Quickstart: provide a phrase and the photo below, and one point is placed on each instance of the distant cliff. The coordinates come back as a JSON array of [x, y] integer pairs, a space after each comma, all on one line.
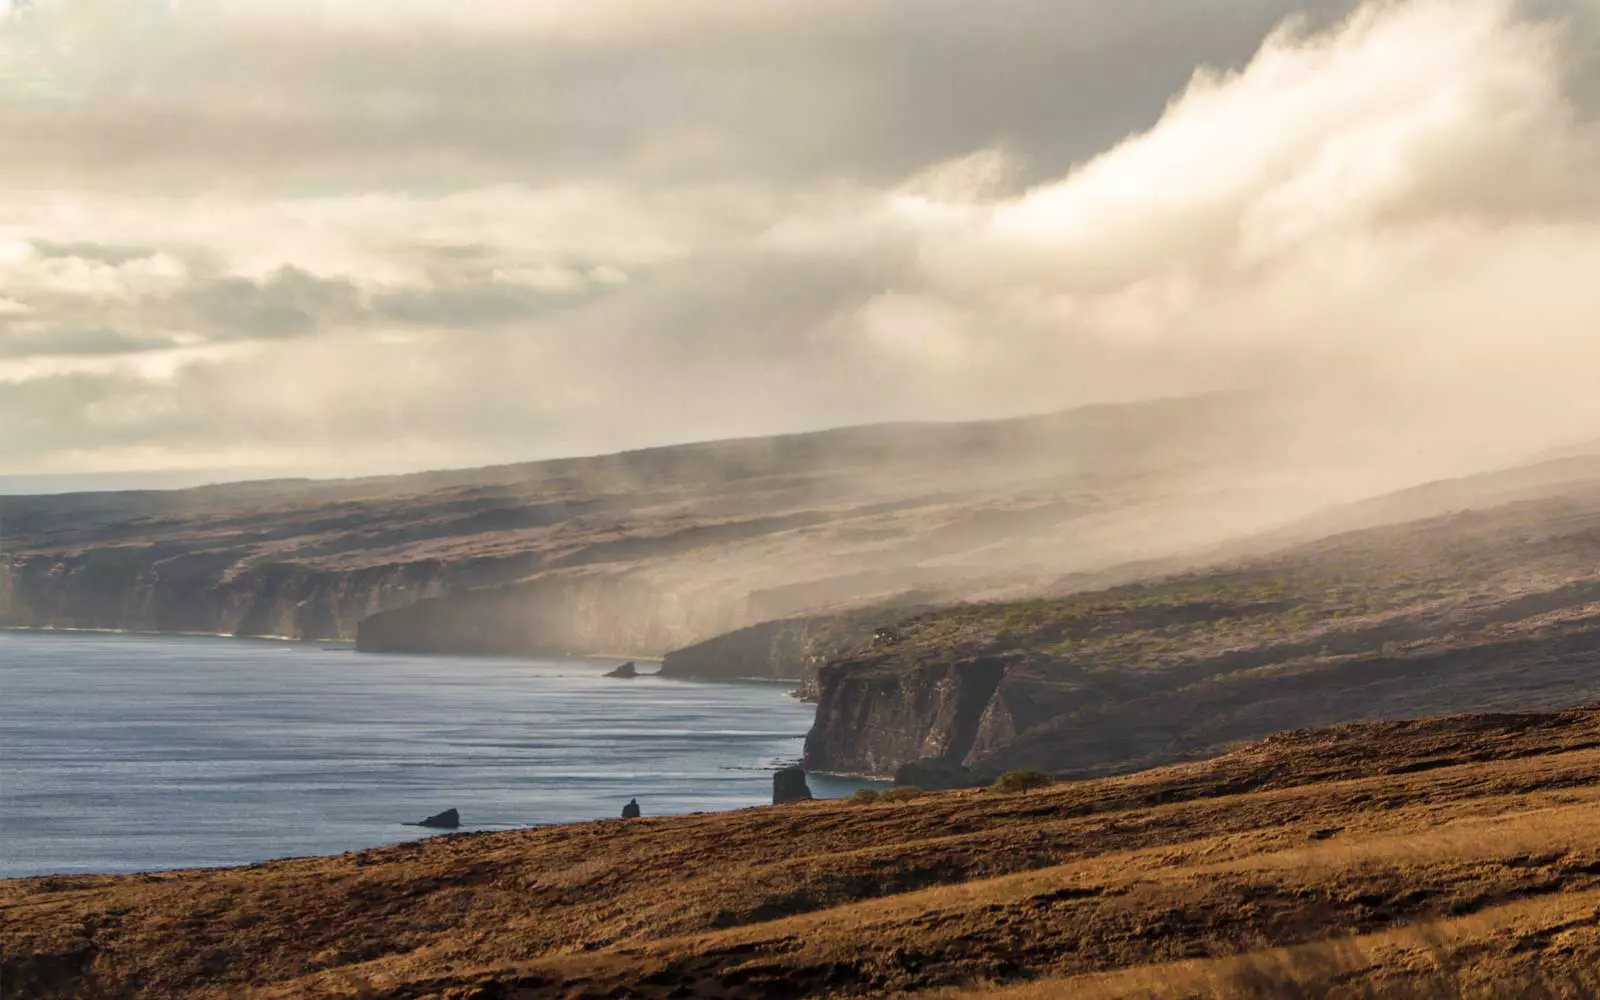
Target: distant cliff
[[604, 609], [1497, 610], [791, 649], [143, 588], [639, 553]]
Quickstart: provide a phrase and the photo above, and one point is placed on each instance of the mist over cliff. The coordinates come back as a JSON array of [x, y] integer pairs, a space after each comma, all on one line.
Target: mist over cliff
[[1307, 254], [645, 551], [1383, 214]]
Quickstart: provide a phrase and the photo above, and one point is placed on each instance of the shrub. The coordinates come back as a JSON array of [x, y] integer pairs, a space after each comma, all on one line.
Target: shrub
[[863, 796], [1022, 781]]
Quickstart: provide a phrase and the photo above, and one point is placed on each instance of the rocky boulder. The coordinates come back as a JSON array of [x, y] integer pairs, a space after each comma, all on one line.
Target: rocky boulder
[[789, 785], [628, 670], [447, 820]]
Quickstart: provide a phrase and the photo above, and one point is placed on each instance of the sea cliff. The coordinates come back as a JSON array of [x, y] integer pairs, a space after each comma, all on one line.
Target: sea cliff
[[790, 649], [639, 553], [1495, 610]]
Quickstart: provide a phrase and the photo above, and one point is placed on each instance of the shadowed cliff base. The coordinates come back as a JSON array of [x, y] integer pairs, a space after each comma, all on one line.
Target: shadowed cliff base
[[1465, 838]]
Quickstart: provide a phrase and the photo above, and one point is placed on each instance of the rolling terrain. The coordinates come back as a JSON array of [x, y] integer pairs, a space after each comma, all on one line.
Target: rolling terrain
[[1444, 857], [646, 552], [1480, 610], [1197, 849], [1085, 593]]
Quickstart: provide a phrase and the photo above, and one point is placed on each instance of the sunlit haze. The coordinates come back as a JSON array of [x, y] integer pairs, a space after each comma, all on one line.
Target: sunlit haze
[[348, 237]]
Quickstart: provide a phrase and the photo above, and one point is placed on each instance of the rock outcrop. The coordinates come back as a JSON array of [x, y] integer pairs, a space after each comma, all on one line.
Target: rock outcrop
[[626, 671], [789, 785], [875, 714], [450, 819]]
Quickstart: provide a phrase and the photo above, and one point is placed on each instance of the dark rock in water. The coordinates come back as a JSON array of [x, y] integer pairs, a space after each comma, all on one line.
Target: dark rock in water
[[934, 774], [626, 670], [631, 810], [789, 785], [447, 820]]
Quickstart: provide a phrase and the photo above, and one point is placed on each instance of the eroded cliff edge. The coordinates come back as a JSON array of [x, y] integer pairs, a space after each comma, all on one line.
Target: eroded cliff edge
[[1478, 611], [638, 553], [793, 650]]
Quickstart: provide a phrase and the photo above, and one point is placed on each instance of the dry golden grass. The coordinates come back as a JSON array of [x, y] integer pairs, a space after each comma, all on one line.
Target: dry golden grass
[[1442, 960], [1304, 866]]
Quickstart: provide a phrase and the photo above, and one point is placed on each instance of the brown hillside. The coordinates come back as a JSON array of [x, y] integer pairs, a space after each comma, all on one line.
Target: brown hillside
[[1476, 838], [649, 551], [1483, 610]]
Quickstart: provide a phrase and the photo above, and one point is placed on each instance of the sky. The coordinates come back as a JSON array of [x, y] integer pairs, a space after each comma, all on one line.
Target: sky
[[353, 236]]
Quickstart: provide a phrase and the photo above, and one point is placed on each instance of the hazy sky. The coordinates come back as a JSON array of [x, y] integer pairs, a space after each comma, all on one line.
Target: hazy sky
[[357, 235]]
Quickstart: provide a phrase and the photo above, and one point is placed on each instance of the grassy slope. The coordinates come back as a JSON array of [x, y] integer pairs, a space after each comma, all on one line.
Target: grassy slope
[[1481, 610], [1480, 833]]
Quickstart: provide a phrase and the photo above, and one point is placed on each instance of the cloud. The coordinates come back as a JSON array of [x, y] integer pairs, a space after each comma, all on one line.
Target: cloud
[[288, 302], [537, 229], [76, 341], [243, 94]]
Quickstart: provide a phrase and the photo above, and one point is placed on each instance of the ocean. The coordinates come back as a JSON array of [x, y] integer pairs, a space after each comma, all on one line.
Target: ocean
[[123, 753]]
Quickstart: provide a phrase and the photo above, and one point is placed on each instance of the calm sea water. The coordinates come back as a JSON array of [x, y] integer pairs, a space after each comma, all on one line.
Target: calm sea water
[[133, 753]]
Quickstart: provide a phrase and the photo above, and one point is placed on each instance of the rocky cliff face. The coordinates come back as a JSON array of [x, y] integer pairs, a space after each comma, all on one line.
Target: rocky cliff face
[[142, 588], [1495, 610], [872, 716]]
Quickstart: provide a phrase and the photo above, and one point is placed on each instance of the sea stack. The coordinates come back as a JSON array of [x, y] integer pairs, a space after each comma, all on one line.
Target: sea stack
[[447, 820], [789, 785], [627, 670]]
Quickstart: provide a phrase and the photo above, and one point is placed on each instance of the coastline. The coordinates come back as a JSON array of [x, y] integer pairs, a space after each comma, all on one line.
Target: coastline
[[905, 896], [291, 749], [70, 630], [645, 661]]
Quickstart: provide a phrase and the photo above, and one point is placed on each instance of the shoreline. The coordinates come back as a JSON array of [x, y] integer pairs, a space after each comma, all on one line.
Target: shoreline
[[487, 830], [506, 721], [350, 644], [156, 634]]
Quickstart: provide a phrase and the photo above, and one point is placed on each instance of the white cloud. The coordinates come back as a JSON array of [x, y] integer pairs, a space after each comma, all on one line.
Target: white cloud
[[521, 225]]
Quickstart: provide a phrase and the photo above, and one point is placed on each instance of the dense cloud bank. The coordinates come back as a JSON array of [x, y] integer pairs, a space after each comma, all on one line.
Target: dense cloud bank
[[292, 235]]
